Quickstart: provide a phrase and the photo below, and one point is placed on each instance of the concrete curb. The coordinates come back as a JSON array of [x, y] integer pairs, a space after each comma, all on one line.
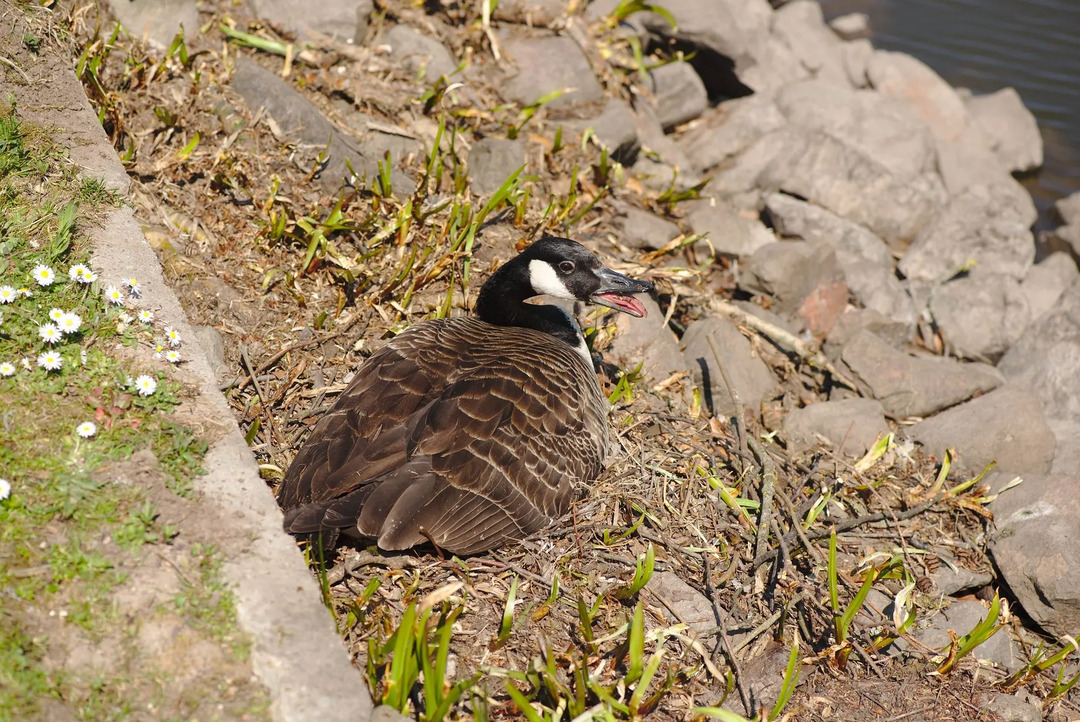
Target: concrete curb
[[296, 652]]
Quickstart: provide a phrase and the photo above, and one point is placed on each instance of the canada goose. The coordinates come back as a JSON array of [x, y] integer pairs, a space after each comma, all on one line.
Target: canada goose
[[467, 432]]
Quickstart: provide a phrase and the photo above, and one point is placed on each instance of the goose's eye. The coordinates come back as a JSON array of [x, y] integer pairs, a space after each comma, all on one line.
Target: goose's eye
[[566, 266]]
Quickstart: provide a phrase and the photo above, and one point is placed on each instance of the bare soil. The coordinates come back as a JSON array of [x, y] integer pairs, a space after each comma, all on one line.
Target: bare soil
[[293, 334]]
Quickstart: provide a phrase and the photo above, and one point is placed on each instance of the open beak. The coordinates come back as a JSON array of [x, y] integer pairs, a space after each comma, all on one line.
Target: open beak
[[616, 292]]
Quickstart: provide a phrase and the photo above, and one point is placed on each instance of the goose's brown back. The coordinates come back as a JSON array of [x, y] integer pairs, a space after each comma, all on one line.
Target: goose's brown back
[[457, 432]]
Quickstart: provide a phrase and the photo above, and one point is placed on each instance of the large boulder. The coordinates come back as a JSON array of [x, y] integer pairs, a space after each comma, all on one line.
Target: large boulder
[[422, 56], [913, 386], [730, 35], [850, 426], [843, 179], [547, 64], [986, 226], [647, 341], [981, 316], [1009, 127], [863, 257], [680, 94], [802, 27], [882, 127], [1034, 547], [1004, 426], [901, 76], [1047, 280], [1046, 358], [729, 232], [728, 129], [750, 378]]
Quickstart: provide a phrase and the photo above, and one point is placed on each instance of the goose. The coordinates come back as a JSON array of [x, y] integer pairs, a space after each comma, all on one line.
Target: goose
[[468, 433]]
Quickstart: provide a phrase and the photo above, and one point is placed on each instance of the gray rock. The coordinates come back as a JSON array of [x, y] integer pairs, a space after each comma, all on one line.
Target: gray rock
[[1067, 454], [734, 29], [615, 128], [1035, 548], [686, 603], [545, 65], [911, 386], [856, 55], [304, 124], [492, 161], [802, 27], [541, 13], [729, 232], [901, 76], [751, 379], [647, 341], [981, 316], [728, 129], [865, 259], [961, 617], [665, 164], [952, 582], [158, 20], [1046, 357], [851, 426], [423, 57], [1006, 426], [790, 271], [851, 26], [386, 713], [1011, 129], [894, 333], [983, 224], [377, 137], [836, 176], [882, 127], [1008, 708], [1068, 209], [343, 19], [680, 94], [968, 161], [209, 340], [642, 230]]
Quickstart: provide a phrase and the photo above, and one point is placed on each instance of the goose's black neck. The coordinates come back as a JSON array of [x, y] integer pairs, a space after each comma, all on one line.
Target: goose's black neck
[[502, 303]]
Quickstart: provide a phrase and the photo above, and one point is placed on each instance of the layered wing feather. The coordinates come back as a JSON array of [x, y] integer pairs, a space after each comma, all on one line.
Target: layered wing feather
[[458, 432]]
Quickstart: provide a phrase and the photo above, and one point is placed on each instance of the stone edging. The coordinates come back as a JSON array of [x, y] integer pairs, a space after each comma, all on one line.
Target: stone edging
[[296, 653]]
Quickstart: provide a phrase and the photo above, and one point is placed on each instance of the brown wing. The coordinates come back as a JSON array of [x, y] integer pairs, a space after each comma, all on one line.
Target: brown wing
[[466, 433]]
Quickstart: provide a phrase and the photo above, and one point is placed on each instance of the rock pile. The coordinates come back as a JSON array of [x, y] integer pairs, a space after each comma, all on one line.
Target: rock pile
[[866, 201]]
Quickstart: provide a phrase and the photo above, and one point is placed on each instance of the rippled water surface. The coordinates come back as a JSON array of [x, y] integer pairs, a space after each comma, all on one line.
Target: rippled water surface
[[984, 45]]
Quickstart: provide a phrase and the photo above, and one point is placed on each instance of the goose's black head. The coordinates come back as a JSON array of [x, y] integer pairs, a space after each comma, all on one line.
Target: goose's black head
[[561, 268]]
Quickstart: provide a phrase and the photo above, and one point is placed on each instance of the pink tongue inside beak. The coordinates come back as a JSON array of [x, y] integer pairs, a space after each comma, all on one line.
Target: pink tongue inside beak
[[629, 304]]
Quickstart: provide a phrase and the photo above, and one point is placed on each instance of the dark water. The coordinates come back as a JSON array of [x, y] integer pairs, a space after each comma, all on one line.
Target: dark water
[[985, 45]]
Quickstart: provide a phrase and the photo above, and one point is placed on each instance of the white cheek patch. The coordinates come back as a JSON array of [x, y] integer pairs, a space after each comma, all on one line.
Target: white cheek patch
[[545, 280]]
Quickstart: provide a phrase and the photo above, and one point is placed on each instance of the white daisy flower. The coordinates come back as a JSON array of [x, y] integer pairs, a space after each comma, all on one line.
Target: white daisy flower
[[146, 316], [172, 335], [172, 357], [126, 318], [7, 294], [50, 361], [5, 489], [113, 296], [7, 369], [132, 285], [25, 292], [43, 275], [86, 429], [88, 276], [146, 385], [69, 323], [56, 314], [76, 272], [26, 364], [49, 333]]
